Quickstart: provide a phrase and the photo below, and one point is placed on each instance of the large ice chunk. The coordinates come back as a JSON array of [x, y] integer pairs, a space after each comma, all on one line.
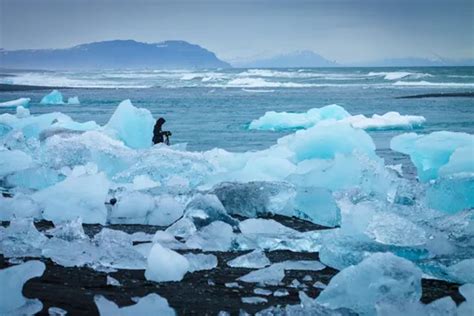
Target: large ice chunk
[[12, 279], [167, 211], [54, 97], [165, 265], [134, 126], [132, 208], [382, 277], [255, 259], [200, 261], [21, 239], [152, 304], [467, 308], [431, 152], [82, 196], [204, 209], [217, 236], [13, 160], [14, 103]]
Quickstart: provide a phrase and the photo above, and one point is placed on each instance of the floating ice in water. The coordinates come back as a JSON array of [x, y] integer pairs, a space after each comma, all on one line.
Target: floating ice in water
[[198, 262], [165, 265], [73, 101], [12, 279], [23, 102], [254, 300], [381, 278], [150, 304], [134, 126], [283, 120], [54, 97], [255, 260], [217, 236], [431, 153], [82, 196]]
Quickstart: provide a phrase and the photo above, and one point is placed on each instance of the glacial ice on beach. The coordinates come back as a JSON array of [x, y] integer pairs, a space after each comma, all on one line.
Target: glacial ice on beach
[[381, 278], [431, 153], [12, 279], [443, 161], [282, 120], [217, 236], [255, 260], [198, 262], [23, 102], [134, 126], [165, 265], [152, 303], [54, 97]]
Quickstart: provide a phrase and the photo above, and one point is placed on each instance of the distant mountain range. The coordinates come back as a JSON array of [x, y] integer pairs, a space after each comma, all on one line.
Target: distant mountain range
[[304, 58], [123, 54], [129, 54]]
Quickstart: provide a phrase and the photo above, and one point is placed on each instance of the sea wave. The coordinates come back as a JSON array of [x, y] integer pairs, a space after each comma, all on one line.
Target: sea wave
[[397, 75]]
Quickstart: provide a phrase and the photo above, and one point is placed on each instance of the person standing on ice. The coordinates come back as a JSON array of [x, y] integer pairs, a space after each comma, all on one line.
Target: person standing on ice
[[160, 136]]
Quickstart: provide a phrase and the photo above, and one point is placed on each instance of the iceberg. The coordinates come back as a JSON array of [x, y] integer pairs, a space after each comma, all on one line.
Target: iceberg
[[134, 126], [165, 265], [73, 101], [23, 102], [277, 121], [150, 304], [12, 279], [54, 97], [381, 278]]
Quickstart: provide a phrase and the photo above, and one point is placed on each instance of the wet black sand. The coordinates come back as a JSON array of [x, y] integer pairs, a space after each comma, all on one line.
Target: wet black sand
[[199, 293]]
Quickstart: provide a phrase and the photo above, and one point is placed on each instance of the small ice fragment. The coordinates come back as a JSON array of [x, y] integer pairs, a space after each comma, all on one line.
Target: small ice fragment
[[260, 291], [255, 259], [319, 285], [210, 282], [182, 228], [22, 112], [264, 226], [152, 304], [233, 285], [56, 311], [165, 265], [198, 262], [307, 278], [280, 293], [254, 300], [271, 275], [12, 280], [217, 236], [112, 281], [295, 283]]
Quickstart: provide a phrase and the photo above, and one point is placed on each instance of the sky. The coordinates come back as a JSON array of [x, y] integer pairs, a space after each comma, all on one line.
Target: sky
[[341, 30]]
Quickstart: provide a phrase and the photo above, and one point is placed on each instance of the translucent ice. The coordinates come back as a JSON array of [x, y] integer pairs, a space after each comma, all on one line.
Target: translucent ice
[[148, 305], [12, 279], [255, 259], [165, 265], [264, 226], [134, 126], [198, 262], [217, 236], [204, 209], [467, 308], [13, 160], [82, 196], [14, 103], [383, 277], [462, 271], [167, 211], [254, 300], [21, 239], [54, 97], [132, 208], [431, 152]]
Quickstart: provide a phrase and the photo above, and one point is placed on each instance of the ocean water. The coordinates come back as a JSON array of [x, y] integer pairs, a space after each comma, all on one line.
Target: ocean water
[[212, 108]]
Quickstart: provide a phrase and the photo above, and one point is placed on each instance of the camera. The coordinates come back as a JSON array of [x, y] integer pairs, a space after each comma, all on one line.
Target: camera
[[166, 133]]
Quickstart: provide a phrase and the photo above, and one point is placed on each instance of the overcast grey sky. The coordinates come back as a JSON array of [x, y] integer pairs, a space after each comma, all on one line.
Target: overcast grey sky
[[341, 30]]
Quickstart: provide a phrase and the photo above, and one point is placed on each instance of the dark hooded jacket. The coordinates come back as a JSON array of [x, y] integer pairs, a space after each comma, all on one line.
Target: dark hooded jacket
[[157, 132]]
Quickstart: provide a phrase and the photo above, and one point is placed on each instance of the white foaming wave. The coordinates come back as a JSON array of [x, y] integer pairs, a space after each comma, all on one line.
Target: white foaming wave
[[261, 83], [258, 90], [397, 75], [300, 74], [61, 80], [433, 84]]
